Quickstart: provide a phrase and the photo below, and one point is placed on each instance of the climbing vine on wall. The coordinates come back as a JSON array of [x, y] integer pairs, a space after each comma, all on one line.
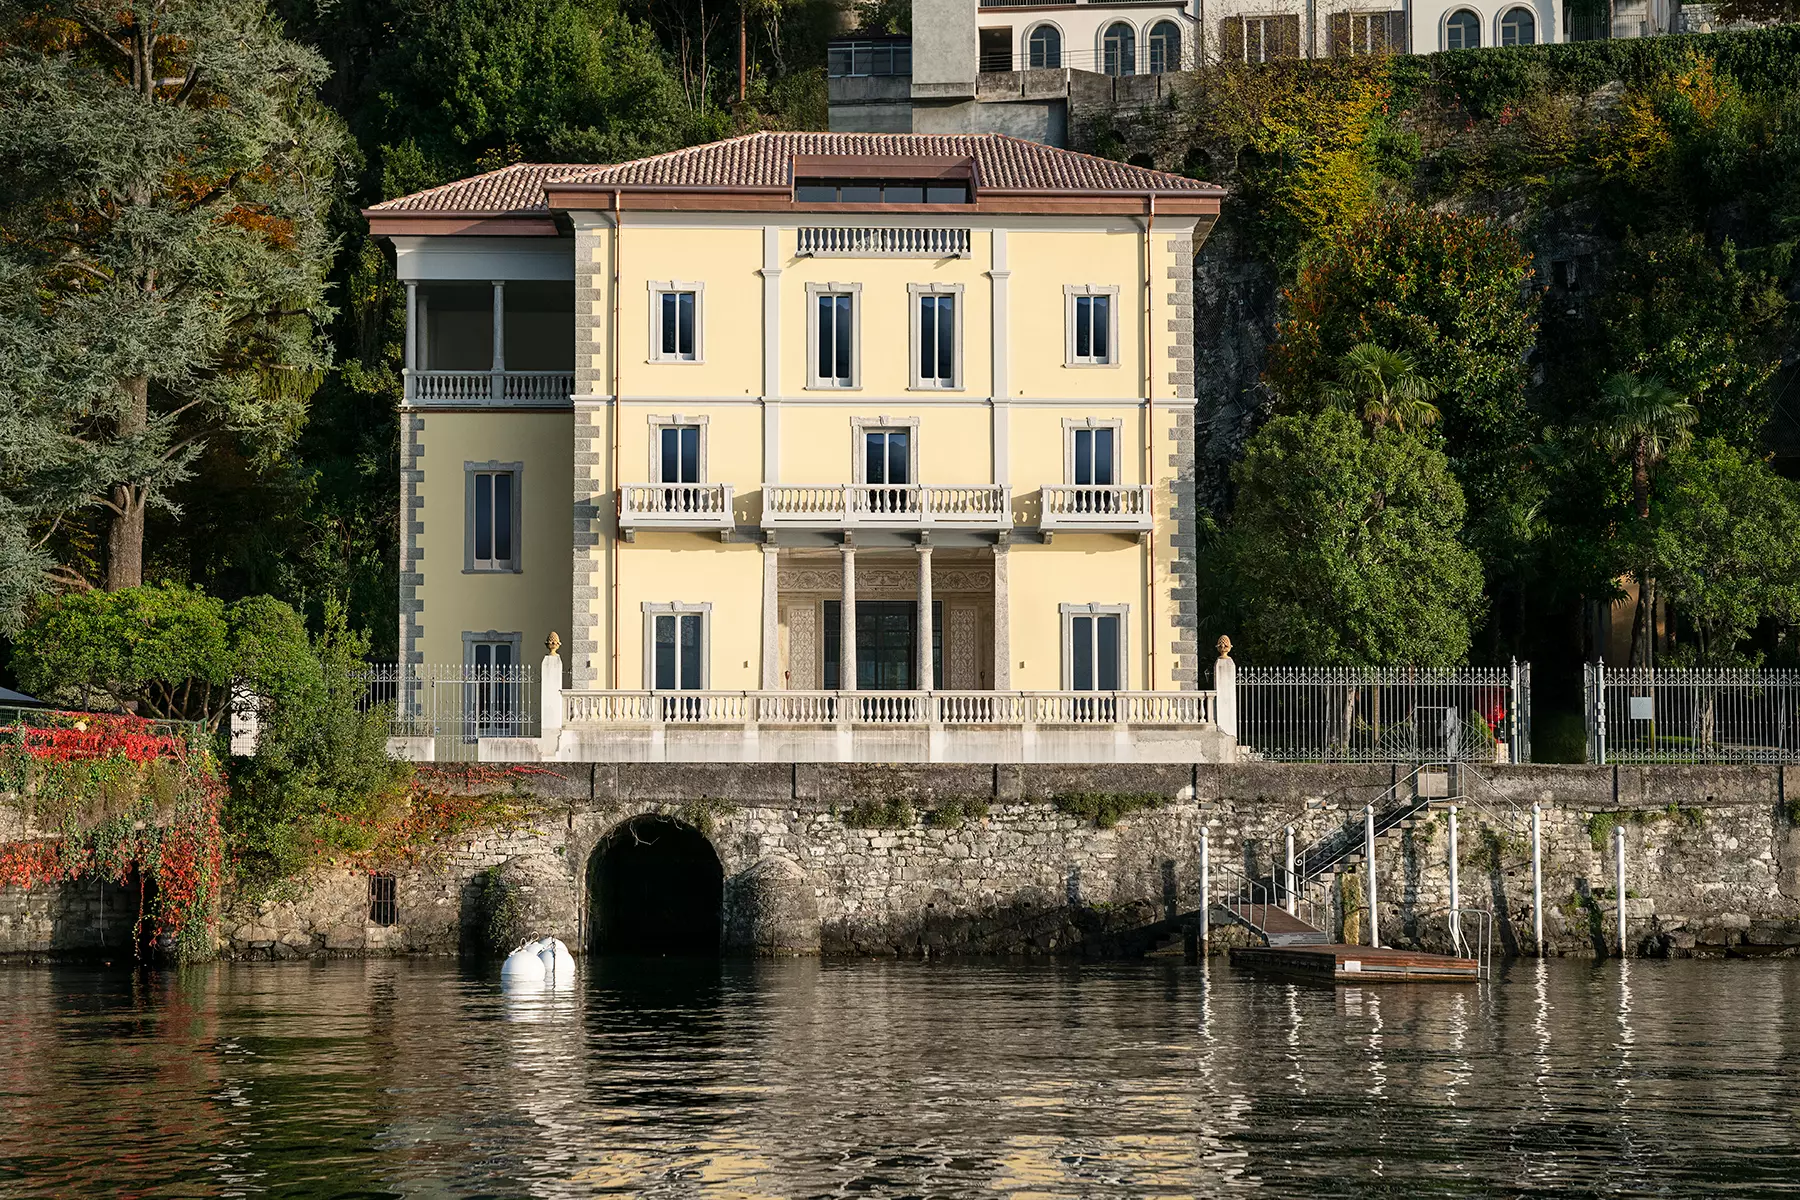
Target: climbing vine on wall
[[124, 800]]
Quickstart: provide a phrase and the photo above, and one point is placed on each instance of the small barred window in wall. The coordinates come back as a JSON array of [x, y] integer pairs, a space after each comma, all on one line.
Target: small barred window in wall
[[678, 325], [679, 646], [1462, 31], [1093, 327], [384, 904], [1165, 47], [937, 341], [1045, 46], [1119, 50], [1518, 28], [494, 520], [834, 339]]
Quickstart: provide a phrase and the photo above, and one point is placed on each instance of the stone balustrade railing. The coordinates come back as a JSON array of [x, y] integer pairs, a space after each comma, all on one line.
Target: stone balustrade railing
[[905, 506], [882, 241], [949, 708], [676, 506], [1095, 506], [490, 387]]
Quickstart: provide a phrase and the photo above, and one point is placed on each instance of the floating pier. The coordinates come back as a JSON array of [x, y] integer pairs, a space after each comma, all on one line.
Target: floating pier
[[1358, 964]]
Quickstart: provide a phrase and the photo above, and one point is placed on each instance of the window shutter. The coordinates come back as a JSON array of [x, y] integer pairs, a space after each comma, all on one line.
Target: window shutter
[[1396, 31], [1287, 39], [1337, 41], [1231, 39]]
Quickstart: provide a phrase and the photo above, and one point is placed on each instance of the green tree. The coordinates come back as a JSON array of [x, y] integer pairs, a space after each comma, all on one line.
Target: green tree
[[1724, 546], [1345, 548], [1383, 387], [168, 171]]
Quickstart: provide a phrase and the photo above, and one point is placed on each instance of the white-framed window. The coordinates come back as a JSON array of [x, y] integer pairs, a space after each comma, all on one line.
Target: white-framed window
[[493, 685], [678, 449], [1091, 325], [1091, 449], [1462, 31], [833, 335], [1095, 642], [492, 526], [677, 646], [1518, 28], [886, 449], [1118, 49], [1043, 47], [1165, 47], [677, 311], [936, 335]]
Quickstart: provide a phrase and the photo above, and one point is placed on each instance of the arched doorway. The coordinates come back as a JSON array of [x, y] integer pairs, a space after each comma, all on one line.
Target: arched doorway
[[655, 886]]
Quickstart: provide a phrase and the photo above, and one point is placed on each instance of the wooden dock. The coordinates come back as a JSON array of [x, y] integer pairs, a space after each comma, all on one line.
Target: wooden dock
[[1358, 964]]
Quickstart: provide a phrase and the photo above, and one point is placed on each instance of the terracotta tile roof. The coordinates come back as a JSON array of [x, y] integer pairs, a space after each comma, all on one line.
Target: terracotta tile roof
[[515, 189], [761, 160]]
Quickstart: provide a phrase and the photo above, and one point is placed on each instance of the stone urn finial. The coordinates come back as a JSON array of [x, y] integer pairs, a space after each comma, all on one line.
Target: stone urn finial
[[552, 643], [1224, 646]]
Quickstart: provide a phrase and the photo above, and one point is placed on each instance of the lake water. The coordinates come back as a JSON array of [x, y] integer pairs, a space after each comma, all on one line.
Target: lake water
[[669, 1078]]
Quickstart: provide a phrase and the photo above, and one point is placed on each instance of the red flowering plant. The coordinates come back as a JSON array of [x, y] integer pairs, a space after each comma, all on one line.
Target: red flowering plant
[[112, 797]]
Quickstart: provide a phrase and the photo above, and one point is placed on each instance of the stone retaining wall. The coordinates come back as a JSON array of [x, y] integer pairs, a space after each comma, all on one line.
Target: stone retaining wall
[[1713, 861]]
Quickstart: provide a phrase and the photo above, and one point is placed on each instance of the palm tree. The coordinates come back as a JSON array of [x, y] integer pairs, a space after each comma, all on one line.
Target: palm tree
[[1385, 385], [1645, 418]]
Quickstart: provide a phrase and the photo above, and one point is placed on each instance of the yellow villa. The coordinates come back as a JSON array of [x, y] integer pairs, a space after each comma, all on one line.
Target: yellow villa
[[805, 447]]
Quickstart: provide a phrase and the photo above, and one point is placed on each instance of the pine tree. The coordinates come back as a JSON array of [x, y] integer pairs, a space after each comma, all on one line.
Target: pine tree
[[168, 171]]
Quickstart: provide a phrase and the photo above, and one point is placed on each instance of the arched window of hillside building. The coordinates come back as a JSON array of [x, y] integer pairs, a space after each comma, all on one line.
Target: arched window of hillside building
[[1518, 28], [1045, 46], [1462, 31], [1119, 50], [1165, 47]]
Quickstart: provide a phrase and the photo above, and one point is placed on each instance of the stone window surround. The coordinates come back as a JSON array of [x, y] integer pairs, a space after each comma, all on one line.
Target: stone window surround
[[813, 292], [859, 461], [517, 470], [1070, 292], [494, 636], [663, 608], [1121, 611], [657, 424], [657, 288], [1071, 424], [914, 292]]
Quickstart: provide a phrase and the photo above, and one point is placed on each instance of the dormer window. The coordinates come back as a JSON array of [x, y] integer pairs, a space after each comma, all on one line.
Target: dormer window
[[881, 191]]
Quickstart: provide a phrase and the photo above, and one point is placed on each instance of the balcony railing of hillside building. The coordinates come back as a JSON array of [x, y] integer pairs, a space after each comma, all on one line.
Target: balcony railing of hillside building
[[887, 506], [854, 59], [523, 388], [678, 506], [644, 708], [882, 241], [1095, 507]]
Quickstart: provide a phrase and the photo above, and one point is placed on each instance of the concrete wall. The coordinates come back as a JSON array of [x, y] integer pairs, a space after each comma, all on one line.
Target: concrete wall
[[1713, 861]]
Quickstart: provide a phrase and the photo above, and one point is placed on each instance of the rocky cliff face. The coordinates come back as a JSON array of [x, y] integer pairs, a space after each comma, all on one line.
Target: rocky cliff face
[[1236, 301]]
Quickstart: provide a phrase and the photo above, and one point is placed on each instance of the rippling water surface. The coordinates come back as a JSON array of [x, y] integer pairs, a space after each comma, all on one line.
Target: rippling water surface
[[668, 1078]]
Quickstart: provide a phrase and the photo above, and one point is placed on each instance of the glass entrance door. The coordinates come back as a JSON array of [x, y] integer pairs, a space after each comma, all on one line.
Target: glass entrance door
[[887, 644]]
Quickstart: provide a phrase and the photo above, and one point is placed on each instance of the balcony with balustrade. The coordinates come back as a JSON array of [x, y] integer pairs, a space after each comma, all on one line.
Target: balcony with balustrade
[[906, 507], [490, 344], [1096, 508], [676, 507]]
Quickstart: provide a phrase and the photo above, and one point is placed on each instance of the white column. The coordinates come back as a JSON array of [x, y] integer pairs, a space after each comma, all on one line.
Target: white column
[[1369, 871], [926, 680], [413, 331], [1455, 898], [771, 659], [1619, 879], [1537, 878], [499, 340], [1205, 890], [847, 634], [1287, 878], [1002, 619]]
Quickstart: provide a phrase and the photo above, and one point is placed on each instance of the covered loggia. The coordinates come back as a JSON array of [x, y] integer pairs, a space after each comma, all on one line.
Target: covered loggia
[[655, 886]]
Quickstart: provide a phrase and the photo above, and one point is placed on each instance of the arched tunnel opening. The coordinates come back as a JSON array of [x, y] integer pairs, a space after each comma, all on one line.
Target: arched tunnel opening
[[655, 886]]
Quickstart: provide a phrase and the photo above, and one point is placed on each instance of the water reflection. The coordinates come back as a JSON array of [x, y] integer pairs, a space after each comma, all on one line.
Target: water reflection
[[669, 1078]]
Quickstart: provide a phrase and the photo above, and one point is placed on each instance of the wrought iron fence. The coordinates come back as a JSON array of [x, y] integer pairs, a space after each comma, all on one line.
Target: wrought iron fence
[[1385, 714], [454, 704], [1692, 714]]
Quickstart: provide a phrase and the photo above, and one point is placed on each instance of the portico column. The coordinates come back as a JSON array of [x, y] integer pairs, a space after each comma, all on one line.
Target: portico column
[[771, 665], [1002, 620], [499, 340], [413, 333], [926, 682], [847, 632]]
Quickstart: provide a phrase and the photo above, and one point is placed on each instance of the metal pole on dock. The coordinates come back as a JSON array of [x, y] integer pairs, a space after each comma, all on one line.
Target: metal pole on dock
[[1455, 899], [1205, 890], [1287, 879], [1619, 878], [1537, 877], [1369, 870]]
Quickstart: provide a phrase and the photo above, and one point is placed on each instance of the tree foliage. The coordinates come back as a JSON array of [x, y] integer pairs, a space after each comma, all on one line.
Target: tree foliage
[[1345, 548]]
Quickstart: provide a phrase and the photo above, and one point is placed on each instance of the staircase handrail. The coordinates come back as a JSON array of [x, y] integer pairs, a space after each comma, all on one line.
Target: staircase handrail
[[1392, 806]]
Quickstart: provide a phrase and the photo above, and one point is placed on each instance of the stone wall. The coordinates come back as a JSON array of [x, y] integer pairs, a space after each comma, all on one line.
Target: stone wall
[[1713, 861]]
